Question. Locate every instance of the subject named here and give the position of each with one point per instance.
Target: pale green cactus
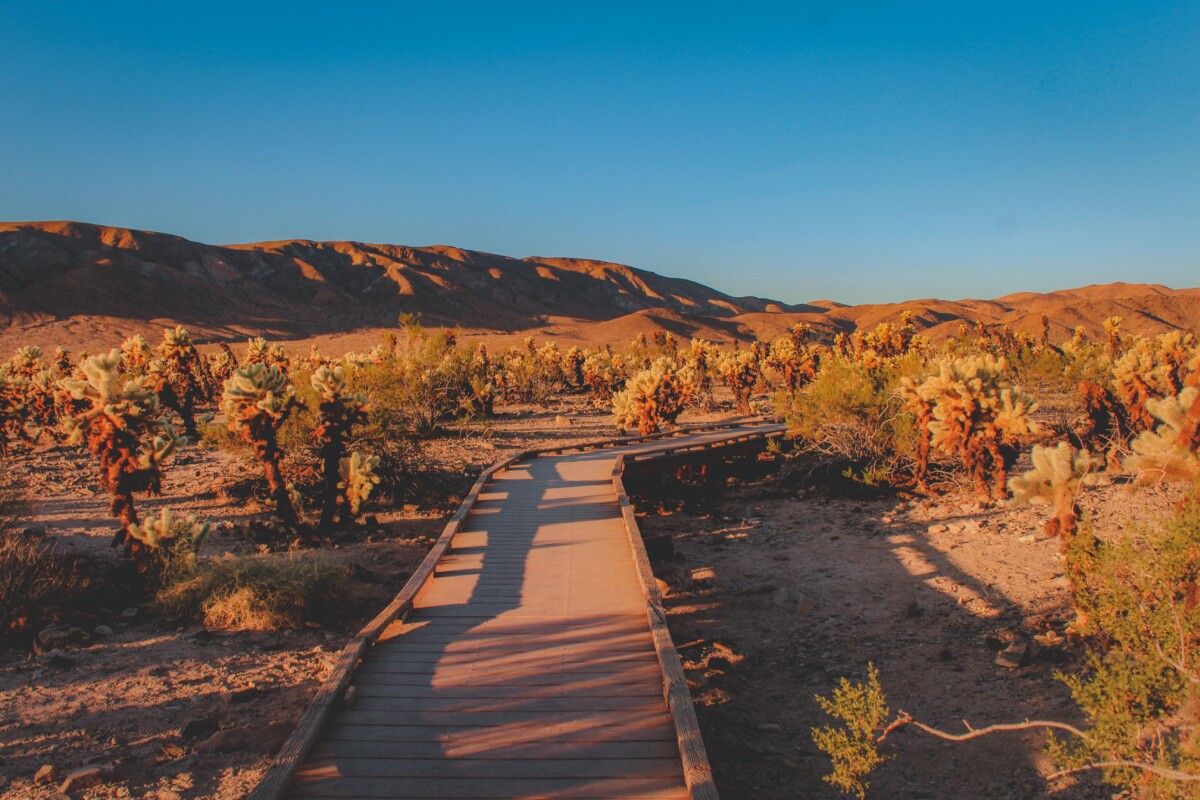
(1167, 452)
(109, 394)
(358, 479)
(1058, 475)
(258, 388)
(166, 531)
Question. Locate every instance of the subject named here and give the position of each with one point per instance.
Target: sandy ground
(791, 593)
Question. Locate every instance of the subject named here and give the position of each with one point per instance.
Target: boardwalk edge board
(332, 691)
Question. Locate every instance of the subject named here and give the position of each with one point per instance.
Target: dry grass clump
(33, 572)
(255, 593)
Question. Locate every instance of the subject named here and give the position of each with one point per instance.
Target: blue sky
(864, 152)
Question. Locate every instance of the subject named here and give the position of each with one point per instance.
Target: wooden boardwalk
(526, 666)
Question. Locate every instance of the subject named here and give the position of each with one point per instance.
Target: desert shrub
(34, 573)
(1152, 369)
(852, 416)
(255, 593)
(1172, 450)
(428, 386)
(652, 398)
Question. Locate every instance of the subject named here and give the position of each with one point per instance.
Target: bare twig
(904, 719)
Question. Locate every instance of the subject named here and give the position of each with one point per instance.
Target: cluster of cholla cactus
(883, 345)
(119, 424)
(790, 363)
(179, 377)
(605, 373)
(260, 351)
(31, 407)
(976, 415)
(1151, 369)
(740, 370)
(1171, 451)
(136, 355)
(339, 410)
(651, 399)
(257, 399)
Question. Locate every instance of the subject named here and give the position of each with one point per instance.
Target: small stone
(561, 420)
(1013, 656)
(55, 637)
(265, 739)
(1027, 538)
(86, 777)
(103, 630)
(200, 728)
(769, 727)
(792, 600)
(129, 613)
(914, 610)
(47, 774)
(939, 528)
(242, 695)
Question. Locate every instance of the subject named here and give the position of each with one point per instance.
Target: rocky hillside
(88, 285)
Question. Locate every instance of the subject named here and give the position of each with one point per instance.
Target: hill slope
(89, 284)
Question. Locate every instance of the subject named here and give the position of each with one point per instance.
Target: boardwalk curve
(528, 656)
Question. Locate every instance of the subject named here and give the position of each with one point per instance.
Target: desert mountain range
(86, 285)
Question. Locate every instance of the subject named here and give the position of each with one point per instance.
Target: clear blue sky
(856, 151)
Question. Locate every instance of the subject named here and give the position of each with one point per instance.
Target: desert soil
(776, 594)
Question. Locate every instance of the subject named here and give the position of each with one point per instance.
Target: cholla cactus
(358, 480)
(1170, 452)
(795, 365)
(177, 375)
(573, 366)
(696, 371)
(259, 351)
(135, 355)
(62, 362)
(26, 362)
(921, 407)
(170, 542)
(1107, 427)
(12, 410)
(220, 365)
(1152, 368)
(256, 400)
(652, 398)
(977, 416)
(1058, 475)
(118, 422)
(1112, 333)
(339, 411)
(740, 372)
(604, 374)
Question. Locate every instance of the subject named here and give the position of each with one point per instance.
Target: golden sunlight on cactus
(1058, 475)
(1171, 451)
(171, 542)
(257, 399)
(651, 399)
(118, 423)
(977, 416)
(358, 479)
(339, 411)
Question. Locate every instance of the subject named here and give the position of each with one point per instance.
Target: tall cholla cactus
(177, 375)
(339, 411)
(358, 479)
(604, 374)
(118, 424)
(651, 398)
(1058, 475)
(256, 400)
(977, 416)
(740, 372)
(793, 362)
(920, 406)
(168, 541)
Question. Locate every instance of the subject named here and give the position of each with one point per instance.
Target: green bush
(255, 593)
